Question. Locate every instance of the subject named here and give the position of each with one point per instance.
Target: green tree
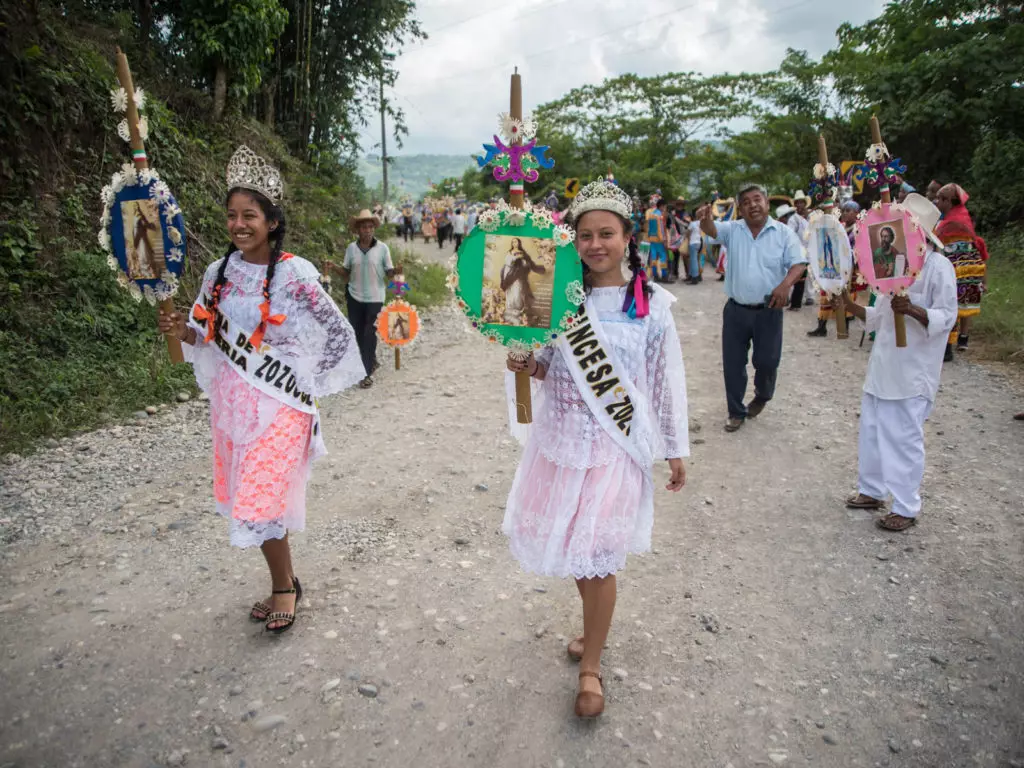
(944, 77)
(228, 42)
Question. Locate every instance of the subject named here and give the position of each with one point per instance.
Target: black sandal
(265, 609)
(286, 616)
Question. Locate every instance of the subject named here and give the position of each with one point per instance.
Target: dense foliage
(943, 76)
(75, 349)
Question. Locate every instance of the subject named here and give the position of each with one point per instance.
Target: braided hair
(273, 214)
(632, 260)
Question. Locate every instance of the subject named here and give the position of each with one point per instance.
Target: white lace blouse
(648, 351)
(314, 333)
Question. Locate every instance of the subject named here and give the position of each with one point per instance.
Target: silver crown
(248, 170)
(600, 196)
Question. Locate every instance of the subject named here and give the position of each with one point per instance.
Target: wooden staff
(899, 321)
(398, 358)
(124, 76)
(524, 402)
(840, 312)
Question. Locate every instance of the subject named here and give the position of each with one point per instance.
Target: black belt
(747, 306)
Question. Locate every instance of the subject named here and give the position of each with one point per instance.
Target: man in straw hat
(901, 384)
(366, 267)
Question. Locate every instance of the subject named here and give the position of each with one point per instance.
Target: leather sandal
(860, 501)
(589, 704)
(897, 523)
(286, 616)
(575, 649)
(264, 608)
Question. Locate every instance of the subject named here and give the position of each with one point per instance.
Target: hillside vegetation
(75, 349)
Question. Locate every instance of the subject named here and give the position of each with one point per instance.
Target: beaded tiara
(248, 170)
(600, 196)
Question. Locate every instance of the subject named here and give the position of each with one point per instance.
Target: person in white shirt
(458, 227)
(694, 240)
(367, 264)
(798, 223)
(902, 382)
(471, 220)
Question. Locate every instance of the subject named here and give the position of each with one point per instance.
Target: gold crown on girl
(248, 170)
(600, 196)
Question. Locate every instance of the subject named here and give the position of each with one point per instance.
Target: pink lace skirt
(260, 461)
(562, 521)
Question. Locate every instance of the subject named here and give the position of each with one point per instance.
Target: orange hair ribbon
(257, 336)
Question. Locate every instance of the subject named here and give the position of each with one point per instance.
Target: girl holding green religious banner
(265, 341)
(609, 399)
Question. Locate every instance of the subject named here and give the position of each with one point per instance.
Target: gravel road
(770, 626)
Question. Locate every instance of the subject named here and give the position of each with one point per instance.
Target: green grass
(427, 282)
(1000, 326)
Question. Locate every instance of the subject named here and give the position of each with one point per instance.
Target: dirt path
(769, 627)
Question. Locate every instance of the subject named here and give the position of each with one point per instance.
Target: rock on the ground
(268, 722)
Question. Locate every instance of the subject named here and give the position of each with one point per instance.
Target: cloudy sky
(452, 85)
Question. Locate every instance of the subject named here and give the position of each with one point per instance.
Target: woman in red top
(968, 253)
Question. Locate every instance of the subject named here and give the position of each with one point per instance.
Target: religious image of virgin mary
(515, 282)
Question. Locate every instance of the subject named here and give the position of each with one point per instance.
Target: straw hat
(801, 195)
(926, 213)
(359, 218)
(784, 210)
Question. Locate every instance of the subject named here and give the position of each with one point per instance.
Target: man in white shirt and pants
(901, 383)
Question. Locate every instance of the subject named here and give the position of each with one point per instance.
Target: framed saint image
(518, 280)
(143, 240)
(398, 323)
(890, 248)
(398, 326)
(143, 233)
(828, 249)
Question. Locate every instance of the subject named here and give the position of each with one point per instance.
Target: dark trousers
(458, 241)
(742, 325)
(797, 299)
(363, 318)
(407, 231)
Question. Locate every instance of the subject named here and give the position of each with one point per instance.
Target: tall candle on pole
(516, 199)
(124, 75)
(899, 321)
(841, 331)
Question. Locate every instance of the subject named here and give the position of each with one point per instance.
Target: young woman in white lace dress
(261, 300)
(580, 501)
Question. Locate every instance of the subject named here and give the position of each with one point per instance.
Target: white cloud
(453, 85)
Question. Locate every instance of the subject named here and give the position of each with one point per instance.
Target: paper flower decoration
(140, 99)
(564, 235)
(513, 129)
(119, 99)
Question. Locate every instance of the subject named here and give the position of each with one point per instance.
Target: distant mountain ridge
(412, 174)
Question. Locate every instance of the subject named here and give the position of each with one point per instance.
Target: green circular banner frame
(536, 261)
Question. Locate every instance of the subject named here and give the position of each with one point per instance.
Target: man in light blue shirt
(765, 259)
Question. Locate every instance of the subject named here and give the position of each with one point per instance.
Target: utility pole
(383, 139)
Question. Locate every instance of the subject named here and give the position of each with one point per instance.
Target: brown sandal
(896, 522)
(575, 649)
(860, 501)
(589, 704)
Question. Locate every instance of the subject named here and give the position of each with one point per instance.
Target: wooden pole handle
(901, 330)
(524, 402)
(398, 358)
(124, 76)
(173, 344)
(841, 331)
(822, 151)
